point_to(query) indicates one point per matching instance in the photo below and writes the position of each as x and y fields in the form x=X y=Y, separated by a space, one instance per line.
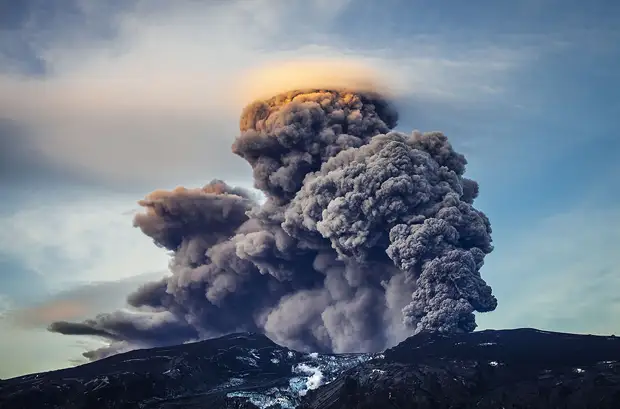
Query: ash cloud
x=366 y=235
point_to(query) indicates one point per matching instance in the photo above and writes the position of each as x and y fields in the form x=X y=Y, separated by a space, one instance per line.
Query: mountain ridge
x=525 y=368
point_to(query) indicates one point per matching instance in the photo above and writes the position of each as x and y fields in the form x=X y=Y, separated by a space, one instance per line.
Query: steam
x=365 y=236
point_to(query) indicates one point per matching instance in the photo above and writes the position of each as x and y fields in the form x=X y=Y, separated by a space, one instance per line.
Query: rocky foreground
x=521 y=368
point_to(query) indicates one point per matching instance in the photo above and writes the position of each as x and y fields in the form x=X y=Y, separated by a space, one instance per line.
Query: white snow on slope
x=315 y=371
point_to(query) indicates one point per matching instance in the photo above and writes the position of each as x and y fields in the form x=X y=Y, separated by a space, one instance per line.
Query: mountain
x=521 y=368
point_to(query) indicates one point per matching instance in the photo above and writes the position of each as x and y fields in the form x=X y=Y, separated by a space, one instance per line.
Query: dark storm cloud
x=365 y=235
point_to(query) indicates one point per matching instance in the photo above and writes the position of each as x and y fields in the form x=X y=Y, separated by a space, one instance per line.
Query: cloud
x=53 y=311
x=27 y=346
x=164 y=86
x=330 y=73
x=77 y=303
x=5 y=305
x=70 y=240
x=560 y=274
x=21 y=162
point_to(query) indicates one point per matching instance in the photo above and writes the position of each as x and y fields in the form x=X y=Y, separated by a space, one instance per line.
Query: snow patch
x=486 y=344
x=150 y=358
x=174 y=372
x=232 y=382
x=99 y=382
x=494 y=363
x=313 y=381
x=247 y=360
x=578 y=370
x=314 y=371
x=275 y=360
x=264 y=400
x=296 y=384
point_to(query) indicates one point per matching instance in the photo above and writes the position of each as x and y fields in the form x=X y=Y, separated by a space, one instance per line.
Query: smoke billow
x=365 y=236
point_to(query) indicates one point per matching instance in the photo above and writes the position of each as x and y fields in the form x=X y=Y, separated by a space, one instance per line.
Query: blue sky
x=102 y=102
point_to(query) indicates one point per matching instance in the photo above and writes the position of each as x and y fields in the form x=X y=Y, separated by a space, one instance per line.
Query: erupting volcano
x=365 y=236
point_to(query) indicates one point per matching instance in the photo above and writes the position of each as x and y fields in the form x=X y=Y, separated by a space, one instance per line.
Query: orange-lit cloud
x=46 y=313
x=170 y=86
x=332 y=73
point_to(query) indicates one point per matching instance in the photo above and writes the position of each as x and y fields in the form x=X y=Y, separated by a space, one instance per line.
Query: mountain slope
x=521 y=368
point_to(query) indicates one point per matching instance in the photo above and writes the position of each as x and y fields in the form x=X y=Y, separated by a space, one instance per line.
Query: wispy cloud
x=562 y=273
x=76 y=303
x=73 y=241
x=169 y=85
x=50 y=312
x=26 y=345
x=5 y=305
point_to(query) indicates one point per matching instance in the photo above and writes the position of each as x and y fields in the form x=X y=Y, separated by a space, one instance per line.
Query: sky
x=103 y=102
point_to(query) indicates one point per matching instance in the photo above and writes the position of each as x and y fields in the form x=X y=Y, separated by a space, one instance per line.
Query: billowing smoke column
x=366 y=236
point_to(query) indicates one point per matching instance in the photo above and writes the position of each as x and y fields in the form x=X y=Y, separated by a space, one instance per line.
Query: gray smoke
x=365 y=236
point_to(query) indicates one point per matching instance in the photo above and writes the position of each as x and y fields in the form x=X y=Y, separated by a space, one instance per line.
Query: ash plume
x=366 y=236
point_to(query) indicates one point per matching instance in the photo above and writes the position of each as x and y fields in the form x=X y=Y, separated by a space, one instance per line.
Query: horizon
x=133 y=351
x=524 y=90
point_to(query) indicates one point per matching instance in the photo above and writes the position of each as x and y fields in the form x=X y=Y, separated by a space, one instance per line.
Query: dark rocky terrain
x=522 y=368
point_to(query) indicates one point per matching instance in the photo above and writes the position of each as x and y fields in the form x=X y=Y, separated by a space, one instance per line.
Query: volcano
x=519 y=368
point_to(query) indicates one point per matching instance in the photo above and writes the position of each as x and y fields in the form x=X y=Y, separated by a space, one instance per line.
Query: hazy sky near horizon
x=102 y=102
